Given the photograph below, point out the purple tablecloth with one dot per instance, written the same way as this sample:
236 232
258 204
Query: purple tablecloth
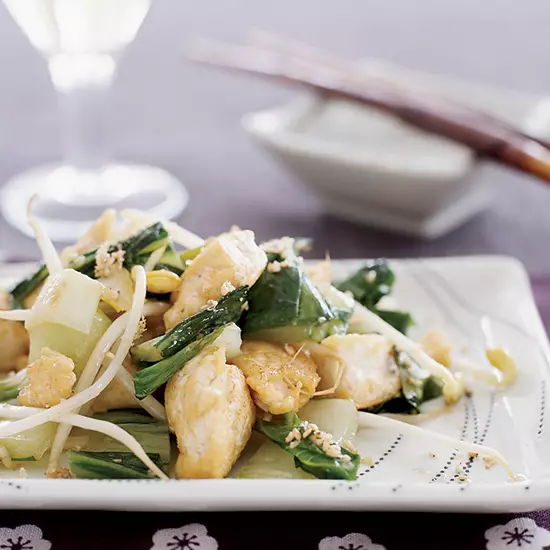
72 530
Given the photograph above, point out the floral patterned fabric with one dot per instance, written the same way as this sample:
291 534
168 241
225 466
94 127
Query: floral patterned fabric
91 530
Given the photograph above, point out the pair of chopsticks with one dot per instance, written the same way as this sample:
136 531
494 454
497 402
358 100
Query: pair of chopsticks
278 58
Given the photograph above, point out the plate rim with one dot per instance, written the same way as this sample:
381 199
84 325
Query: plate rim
211 495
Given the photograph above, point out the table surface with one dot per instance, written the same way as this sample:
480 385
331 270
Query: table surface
166 111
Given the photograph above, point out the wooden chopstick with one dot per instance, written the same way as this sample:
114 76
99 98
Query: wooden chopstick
275 58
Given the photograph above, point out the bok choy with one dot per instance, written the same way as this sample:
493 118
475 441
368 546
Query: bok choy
105 458
137 250
11 384
417 387
307 455
150 378
369 285
228 310
286 307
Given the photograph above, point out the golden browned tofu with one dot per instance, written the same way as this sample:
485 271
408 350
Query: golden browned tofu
14 340
211 412
49 380
228 261
281 380
369 374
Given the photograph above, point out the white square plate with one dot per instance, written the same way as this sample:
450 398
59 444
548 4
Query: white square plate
468 297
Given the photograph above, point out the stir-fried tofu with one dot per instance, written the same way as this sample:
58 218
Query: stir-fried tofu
369 374
49 380
211 412
230 260
14 340
281 379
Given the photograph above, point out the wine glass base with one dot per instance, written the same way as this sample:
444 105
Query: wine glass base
69 200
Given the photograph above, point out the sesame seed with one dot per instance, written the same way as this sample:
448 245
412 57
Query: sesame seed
289 437
297 434
370 276
473 455
227 287
432 454
346 459
333 451
307 432
294 444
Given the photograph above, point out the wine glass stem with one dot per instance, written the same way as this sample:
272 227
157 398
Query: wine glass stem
82 82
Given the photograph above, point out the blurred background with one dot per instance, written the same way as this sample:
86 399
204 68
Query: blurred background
165 111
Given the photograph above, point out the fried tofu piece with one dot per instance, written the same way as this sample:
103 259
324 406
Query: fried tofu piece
211 412
281 379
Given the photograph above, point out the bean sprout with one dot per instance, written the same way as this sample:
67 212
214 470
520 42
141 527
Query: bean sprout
453 388
47 249
134 316
370 420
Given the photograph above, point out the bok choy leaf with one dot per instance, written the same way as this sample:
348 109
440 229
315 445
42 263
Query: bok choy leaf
227 310
369 285
308 456
137 251
11 384
105 465
148 379
417 387
286 307
106 458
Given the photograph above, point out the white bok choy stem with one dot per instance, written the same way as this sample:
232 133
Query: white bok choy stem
80 399
370 420
149 403
118 433
87 377
453 388
16 315
49 253
154 258
93 424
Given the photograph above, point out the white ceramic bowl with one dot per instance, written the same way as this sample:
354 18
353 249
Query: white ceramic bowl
371 168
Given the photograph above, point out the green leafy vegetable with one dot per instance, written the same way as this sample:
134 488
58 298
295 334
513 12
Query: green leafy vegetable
137 251
105 465
171 261
228 310
190 254
11 384
153 435
105 458
285 306
417 387
22 289
401 320
148 379
308 456
369 285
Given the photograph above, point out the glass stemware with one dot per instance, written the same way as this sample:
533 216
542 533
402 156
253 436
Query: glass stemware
81 40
